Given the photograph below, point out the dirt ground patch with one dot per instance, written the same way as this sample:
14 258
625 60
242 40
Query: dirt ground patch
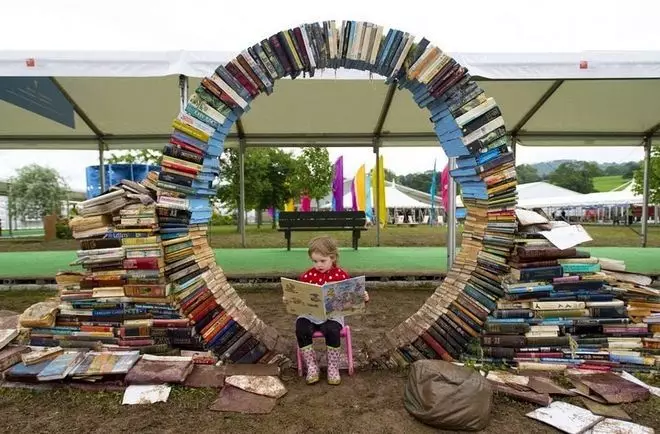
369 402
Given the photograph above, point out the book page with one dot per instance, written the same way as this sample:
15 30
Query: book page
567 236
303 298
344 298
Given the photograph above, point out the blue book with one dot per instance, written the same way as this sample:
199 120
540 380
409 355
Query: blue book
463 162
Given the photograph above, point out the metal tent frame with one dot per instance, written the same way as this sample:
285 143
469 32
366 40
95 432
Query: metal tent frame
529 91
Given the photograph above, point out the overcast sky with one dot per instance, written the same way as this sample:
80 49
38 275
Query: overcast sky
496 26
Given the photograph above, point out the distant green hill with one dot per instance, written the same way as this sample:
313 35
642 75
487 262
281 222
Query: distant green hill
608 183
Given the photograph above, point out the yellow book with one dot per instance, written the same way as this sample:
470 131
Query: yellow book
190 130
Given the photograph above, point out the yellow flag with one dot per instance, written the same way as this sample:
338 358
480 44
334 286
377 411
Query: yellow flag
378 192
289 206
360 178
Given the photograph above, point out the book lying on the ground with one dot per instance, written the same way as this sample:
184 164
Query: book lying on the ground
333 299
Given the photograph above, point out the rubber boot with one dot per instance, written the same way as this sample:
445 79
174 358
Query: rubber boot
309 356
334 357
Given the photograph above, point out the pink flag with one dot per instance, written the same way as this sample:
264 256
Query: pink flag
306 203
444 187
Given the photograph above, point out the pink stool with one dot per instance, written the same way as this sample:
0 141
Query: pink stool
346 334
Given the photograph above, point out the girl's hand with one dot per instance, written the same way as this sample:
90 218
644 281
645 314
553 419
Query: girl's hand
366 297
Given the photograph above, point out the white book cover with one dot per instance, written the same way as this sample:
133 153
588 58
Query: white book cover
428 55
367 42
433 69
6 336
377 40
475 113
228 89
566 417
307 47
480 132
195 123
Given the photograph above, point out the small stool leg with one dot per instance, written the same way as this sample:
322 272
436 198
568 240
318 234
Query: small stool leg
299 361
349 351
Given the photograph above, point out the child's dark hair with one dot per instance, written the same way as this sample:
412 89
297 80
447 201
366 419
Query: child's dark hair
325 246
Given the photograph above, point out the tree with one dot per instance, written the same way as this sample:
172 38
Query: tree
255 169
313 173
593 168
419 181
574 175
654 177
527 173
629 168
277 185
390 176
141 156
36 191
268 179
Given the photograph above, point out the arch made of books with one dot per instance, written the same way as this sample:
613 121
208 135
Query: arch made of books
469 126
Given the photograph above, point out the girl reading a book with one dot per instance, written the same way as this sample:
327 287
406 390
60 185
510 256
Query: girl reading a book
324 255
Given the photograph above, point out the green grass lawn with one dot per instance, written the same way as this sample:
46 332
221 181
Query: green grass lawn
227 237
19 233
277 261
608 183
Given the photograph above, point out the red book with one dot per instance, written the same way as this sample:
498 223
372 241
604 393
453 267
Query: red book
233 70
170 323
530 355
180 167
200 311
186 146
437 347
142 264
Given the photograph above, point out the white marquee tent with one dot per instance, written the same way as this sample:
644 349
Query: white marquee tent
394 199
127 100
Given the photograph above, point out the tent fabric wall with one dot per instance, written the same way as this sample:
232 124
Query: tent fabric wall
577 110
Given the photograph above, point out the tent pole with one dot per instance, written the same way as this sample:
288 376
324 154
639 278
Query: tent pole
377 192
241 194
183 91
645 198
451 217
101 167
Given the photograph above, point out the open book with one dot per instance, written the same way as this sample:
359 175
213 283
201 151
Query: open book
333 299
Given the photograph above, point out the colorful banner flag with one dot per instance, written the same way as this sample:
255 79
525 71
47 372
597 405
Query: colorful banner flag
444 185
378 185
369 210
382 208
306 203
433 191
360 191
338 185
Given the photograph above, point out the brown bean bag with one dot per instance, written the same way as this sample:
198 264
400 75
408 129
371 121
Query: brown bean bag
447 396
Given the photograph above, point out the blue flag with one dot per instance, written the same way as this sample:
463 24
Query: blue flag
369 210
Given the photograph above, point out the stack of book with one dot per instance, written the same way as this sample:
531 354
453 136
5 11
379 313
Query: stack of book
470 128
561 310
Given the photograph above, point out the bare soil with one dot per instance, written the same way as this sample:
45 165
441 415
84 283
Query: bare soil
369 402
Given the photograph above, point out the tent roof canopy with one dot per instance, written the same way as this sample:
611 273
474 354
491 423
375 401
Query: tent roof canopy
128 100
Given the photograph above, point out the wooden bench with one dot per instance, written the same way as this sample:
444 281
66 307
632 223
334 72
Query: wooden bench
352 221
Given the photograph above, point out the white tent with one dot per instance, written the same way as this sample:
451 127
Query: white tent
545 195
533 192
393 199
128 99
